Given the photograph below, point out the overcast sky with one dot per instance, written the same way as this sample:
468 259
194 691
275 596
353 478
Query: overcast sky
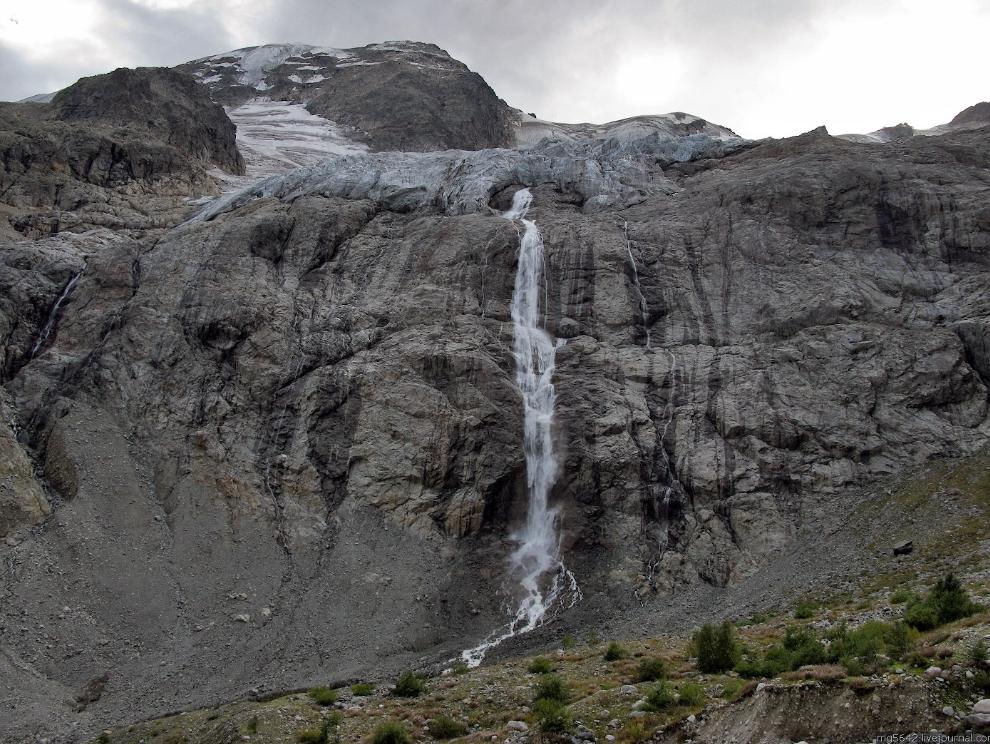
761 67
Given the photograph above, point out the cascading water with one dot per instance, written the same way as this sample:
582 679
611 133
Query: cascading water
545 582
643 309
53 313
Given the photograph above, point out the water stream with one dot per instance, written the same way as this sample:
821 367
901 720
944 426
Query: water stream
53 313
545 583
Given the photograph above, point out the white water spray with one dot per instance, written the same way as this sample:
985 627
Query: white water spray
53 313
545 581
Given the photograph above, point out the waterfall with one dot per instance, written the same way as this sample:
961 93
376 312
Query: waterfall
643 309
53 313
545 582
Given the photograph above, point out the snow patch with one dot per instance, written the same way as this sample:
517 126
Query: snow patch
277 136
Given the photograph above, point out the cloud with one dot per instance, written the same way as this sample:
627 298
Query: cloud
763 67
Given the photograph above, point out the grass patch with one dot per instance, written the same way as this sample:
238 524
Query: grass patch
805 610
552 716
691 694
391 732
660 698
445 727
408 685
651 670
324 696
540 665
550 687
362 689
615 652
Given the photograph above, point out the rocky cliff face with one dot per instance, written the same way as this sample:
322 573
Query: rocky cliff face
126 150
398 95
284 436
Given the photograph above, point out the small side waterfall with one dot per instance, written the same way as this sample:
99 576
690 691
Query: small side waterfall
53 313
643 309
545 581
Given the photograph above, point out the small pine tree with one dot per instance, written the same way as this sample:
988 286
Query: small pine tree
716 648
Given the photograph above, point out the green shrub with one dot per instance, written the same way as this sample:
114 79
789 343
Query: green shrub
362 689
322 734
946 602
591 638
659 698
445 727
324 696
408 685
805 609
551 687
568 642
981 682
731 688
651 670
901 596
552 716
460 667
540 665
252 725
921 615
391 732
952 600
716 648
977 655
615 651
691 694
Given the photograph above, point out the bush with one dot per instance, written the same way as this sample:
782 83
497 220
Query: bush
952 600
324 696
651 670
659 698
805 609
445 727
552 716
977 655
551 687
901 596
322 734
460 667
568 642
715 647
540 665
921 615
408 685
691 694
252 725
391 732
946 602
362 689
615 651
591 638
981 682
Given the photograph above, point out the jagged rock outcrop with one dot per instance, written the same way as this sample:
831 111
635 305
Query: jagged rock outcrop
165 103
398 95
301 409
125 150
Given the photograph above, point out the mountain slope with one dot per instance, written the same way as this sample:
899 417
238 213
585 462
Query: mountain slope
280 433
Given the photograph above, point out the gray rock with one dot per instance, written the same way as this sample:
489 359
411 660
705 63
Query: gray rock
517 726
982 706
